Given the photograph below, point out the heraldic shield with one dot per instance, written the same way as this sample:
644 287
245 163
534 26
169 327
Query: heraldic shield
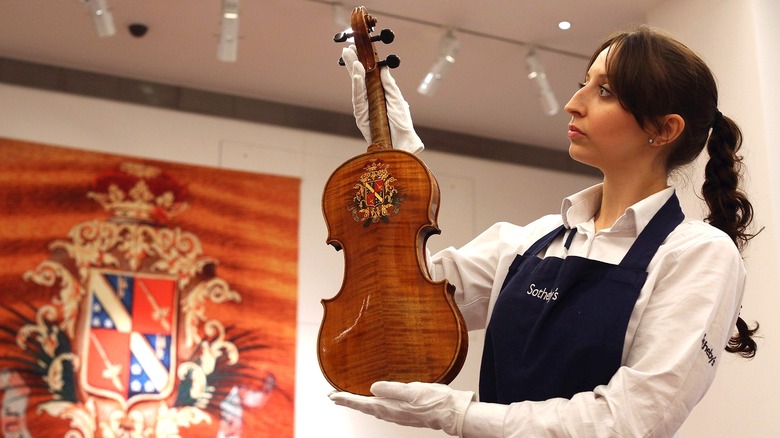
129 346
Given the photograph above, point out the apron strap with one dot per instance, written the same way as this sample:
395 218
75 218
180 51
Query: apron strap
544 242
569 238
654 234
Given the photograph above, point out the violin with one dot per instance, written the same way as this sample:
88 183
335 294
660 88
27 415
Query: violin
390 320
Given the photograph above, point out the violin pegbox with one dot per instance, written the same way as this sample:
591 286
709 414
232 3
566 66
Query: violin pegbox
386 36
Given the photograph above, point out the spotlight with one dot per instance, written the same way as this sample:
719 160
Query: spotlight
101 17
536 73
227 49
448 49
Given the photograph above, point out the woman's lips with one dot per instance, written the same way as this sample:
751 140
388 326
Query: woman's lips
574 132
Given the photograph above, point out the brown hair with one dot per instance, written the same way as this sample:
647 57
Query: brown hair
654 75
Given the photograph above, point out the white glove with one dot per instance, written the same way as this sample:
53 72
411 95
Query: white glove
398 115
416 404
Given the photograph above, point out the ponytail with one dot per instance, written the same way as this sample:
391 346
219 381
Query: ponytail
742 342
729 209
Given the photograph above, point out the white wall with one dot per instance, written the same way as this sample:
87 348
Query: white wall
740 41
475 194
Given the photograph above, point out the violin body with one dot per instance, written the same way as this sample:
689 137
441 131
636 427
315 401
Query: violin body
389 321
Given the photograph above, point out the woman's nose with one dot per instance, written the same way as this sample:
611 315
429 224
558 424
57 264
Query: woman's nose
574 105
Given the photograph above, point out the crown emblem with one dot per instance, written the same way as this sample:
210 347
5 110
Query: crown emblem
140 193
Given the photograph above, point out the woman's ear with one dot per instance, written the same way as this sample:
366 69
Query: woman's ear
670 128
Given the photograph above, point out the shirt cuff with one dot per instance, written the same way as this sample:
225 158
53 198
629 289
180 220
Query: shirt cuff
484 419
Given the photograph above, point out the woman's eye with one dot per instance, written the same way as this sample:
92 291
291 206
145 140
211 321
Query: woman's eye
602 90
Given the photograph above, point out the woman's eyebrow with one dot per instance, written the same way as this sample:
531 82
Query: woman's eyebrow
597 76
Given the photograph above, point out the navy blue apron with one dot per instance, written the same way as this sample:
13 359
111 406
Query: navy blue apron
558 325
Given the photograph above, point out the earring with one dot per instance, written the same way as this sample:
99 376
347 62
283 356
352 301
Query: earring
651 140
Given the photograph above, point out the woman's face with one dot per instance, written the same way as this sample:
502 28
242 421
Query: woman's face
603 134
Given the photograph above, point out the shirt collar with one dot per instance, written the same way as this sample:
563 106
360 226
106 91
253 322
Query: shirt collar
582 207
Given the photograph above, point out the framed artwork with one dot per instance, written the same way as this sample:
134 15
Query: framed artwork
143 298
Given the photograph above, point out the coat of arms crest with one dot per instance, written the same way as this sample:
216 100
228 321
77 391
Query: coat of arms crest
376 197
127 347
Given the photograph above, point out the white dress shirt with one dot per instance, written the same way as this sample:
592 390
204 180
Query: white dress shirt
680 325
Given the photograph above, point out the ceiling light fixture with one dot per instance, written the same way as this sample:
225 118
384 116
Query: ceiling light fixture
227 48
536 73
448 49
101 17
564 25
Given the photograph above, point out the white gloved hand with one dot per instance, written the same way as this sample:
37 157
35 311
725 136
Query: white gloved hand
398 115
416 404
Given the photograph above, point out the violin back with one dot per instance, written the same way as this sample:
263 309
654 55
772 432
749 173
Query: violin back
389 321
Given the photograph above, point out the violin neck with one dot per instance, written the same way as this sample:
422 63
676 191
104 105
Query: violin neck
377 111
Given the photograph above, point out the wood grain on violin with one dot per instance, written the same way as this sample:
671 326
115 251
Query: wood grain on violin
389 320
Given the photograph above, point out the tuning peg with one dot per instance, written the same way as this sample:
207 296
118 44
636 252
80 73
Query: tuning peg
342 37
391 61
386 36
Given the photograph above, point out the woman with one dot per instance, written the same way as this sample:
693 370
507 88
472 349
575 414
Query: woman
611 318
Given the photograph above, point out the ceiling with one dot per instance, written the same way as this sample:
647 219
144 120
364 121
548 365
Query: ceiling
286 53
